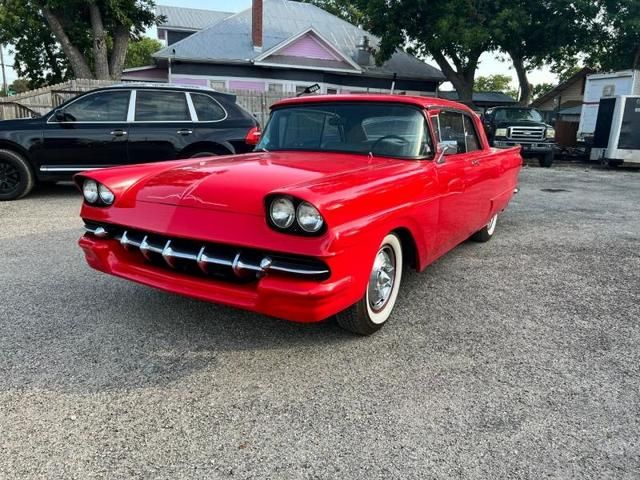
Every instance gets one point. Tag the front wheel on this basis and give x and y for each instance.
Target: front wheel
(487, 232)
(16, 177)
(546, 161)
(374, 309)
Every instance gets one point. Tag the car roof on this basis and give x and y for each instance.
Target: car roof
(424, 102)
(164, 86)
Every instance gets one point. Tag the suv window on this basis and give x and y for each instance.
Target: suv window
(207, 109)
(100, 107)
(155, 106)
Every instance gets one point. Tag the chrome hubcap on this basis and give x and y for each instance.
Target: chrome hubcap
(382, 279)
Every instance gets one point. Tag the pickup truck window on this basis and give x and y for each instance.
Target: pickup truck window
(517, 114)
(459, 128)
(384, 130)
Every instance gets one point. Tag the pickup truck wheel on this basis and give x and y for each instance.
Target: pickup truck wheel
(486, 233)
(203, 154)
(16, 177)
(546, 161)
(374, 309)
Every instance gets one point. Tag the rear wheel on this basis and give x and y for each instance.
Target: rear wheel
(203, 154)
(374, 309)
(486, 233)
(16, 177)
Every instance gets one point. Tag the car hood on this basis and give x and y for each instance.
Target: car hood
(521, 123)
(20, 123)
(240, 183)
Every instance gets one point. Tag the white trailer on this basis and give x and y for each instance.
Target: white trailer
(604, 85)
(616, 140)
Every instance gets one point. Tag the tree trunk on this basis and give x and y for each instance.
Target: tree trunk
(100, 55)
(119, 52)
(76, 59)
(525, 86)
(462, 80)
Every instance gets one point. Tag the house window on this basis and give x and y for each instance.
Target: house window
(275, 88)
(218, 84)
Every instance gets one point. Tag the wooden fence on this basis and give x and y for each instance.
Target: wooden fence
(38, 102)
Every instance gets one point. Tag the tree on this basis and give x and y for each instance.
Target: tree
(534, 33)
(495, 83)
(140, 52)
(541, 89)
(92, 35)
(20, 85)
(37, 56)
(615, 39)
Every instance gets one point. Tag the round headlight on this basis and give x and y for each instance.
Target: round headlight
(282, 212)
(90, 191)
(309, 217)
(106, 195)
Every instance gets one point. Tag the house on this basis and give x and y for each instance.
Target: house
(282, 47)
(562, 106)
(179, 23)
(482, 100)
(567, 96)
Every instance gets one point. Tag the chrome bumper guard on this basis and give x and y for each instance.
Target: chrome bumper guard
(211, 259)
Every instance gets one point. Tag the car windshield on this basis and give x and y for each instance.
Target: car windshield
(526, 114)
(362, 128)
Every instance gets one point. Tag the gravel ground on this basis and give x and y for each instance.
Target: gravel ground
(518, 358)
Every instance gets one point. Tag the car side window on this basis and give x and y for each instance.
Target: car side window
(154, 106)
(451, 129)
(207, 109)
(107, 106)
(470, 134)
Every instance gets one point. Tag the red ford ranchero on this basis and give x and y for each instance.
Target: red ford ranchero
(340, 194)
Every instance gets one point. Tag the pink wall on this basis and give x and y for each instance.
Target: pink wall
(246, 85)
(308, 47)
(201, 82)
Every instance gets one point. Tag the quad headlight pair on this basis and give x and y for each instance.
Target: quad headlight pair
(286, 213)
(95, 193)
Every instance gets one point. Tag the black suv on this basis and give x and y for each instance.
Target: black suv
(123, 124)
(510, 126)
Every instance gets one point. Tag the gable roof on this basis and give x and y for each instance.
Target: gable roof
(191, 19)
(229, 40)
(583, 72)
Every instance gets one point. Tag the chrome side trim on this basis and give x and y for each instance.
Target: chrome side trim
(46, 168)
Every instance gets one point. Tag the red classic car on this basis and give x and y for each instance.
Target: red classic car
(341, 192)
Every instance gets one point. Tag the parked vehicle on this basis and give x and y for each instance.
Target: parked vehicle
(617, 135)
(121, 125)
(598, 86)
(341, 192)
(511, 126)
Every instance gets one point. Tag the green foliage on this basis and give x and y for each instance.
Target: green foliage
(46, 55)
(345, 9)
(614, 42)
(541, 89)
(140, 52)
(493, 83)
(20, 85)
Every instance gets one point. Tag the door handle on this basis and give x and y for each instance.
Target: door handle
(475, 163)
(118, 133)
(184, 131)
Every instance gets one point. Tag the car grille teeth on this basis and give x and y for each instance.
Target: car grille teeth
(526, 133)
(212, 260)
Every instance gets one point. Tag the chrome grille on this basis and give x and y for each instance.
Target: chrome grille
(215, 260)
(526, 133)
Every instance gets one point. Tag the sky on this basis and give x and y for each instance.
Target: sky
(489, 62)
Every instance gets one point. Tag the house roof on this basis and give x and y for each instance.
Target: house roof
(495, 98)
(189, 18)
(558, 89)
(229, 40)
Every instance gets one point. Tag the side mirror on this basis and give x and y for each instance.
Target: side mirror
(59, 115)
(446, 147)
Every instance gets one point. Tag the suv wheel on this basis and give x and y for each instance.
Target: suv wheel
(547, 160)
(16, 177)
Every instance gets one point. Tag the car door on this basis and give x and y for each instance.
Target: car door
(451, 171)
(90, 132)
(162, 125)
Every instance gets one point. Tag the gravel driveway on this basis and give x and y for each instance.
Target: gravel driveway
(519, 358)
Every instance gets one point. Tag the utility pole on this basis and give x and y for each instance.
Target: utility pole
(4, 73)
